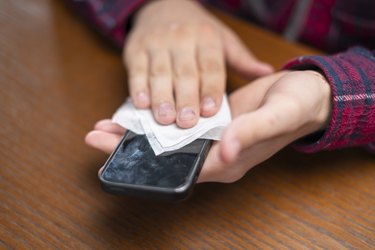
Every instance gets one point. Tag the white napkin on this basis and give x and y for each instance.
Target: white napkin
(164, 138)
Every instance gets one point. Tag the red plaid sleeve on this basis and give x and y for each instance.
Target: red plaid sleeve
(108, 17)
(351, 76)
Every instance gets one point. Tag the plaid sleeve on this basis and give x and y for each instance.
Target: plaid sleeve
(351, 76)
(109, 17)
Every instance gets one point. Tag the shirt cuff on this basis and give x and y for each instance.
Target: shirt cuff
(351, 76)
(108, 17)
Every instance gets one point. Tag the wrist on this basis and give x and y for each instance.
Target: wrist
(324, 114)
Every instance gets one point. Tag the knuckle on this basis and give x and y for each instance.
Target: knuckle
(211, 65)
(207, 29)
(160, 69)
(213, 80)
(154, 40)
(186, 94)
(180, 32)
(137, 71)
(186, 71)
(155, 34)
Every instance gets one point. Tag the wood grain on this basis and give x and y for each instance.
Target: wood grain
(58, 77)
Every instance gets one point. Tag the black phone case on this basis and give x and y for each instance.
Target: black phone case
(152, 192)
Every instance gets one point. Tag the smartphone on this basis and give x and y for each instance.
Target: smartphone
(133, 169)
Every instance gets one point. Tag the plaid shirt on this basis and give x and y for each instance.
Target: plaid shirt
(331, 25)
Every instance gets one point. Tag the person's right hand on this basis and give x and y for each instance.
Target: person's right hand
(175, 56)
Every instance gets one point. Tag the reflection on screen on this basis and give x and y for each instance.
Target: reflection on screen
(136, 163)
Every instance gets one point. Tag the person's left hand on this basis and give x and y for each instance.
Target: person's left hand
(269, 113)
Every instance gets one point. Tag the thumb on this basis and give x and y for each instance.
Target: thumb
(240, 134)
(241, 59)
(251, 128)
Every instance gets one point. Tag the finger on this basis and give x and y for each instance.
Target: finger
(216, 170)
(163, 105)
(277, 116)
(103, 141)
(108, 126)
(186, 85)
(212, 72)
(137, 65)
(241, 59)
(211, 163)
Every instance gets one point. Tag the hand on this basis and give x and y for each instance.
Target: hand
(175, 56)
(283, 107)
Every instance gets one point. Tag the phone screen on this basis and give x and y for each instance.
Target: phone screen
(134, 162)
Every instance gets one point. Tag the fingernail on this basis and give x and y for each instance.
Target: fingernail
(187, 114)
(165, 109)
(142, 97)
(208, 103)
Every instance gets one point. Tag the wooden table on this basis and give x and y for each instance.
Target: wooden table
(58, 77)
